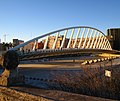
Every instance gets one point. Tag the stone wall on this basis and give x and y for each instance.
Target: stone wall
(7, 94)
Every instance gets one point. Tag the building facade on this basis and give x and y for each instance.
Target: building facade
(51, 41)
(1, 47)
(17, 42)
(114, 33)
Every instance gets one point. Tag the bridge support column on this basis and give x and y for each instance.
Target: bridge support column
(76, 38)
(10, 75)
(79, 46)
(88, 44)
(56, 38)
(91, 46)
(84, 44)
(107, 45)
(98, 43)
(103, 44)
(68, 46)
(46, 42)
(96, 40)
(35, 44)
(63, 41)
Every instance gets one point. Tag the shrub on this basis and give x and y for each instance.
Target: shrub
(90, 81)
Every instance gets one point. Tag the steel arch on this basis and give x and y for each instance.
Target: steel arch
(83, 37)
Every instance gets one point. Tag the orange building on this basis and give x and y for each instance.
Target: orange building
(40, 45)
(51, 41)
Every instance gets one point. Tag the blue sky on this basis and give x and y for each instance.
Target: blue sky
(26, 19)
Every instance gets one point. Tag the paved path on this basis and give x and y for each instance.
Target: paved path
(60, 95)
(45, 69)
(48, 71)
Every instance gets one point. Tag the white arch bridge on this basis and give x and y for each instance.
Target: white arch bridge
(64, 42)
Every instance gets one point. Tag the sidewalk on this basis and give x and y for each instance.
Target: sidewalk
(60, 95)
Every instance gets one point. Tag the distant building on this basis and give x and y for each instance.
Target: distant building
(114, 33)
(17, 42)
(51, 40)
(40, 45)
(20, 41)
(1, 47)
(30, 46)
(5, 46)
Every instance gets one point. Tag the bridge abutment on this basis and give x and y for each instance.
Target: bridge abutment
(10, 75)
